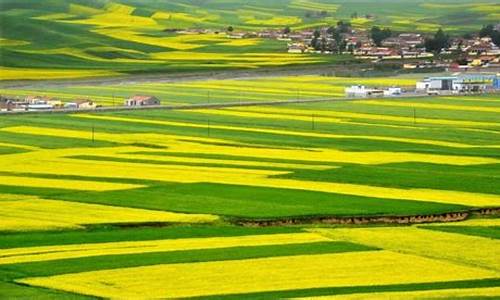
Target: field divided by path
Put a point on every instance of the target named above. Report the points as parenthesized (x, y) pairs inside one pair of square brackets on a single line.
[(109, 201)]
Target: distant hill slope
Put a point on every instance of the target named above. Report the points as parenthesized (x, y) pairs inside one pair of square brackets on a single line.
[(112, 36)]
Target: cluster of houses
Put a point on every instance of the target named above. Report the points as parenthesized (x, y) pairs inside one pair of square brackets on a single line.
[(476, 51), (464, 83), (44, 103)]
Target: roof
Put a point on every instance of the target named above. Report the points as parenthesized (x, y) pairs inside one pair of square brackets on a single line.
[(81, 101), (142, 98), (442, 78)]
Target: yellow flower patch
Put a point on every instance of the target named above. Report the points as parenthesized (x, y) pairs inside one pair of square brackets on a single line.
[(64, 184), (261, 275), (40, 214), (429, 105), (458, 248), (7, 73), (45, 253), (376, 117), (49, 160)]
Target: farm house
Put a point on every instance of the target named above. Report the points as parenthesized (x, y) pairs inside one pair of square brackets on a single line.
[(142, 101)]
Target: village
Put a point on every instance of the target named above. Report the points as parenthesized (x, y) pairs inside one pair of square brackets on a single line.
[(470, 51)]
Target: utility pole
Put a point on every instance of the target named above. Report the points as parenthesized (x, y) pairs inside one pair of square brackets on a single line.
[(208, 97), (208, 127), (414, 116), (313, 125)]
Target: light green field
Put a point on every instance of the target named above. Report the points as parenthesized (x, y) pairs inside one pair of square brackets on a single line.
[(216, 91), (74, 187)]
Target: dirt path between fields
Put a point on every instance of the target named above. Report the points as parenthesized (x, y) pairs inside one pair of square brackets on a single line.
[(367, 220)]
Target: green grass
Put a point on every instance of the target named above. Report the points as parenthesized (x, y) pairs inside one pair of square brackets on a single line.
[(255, 202), (475, 179)]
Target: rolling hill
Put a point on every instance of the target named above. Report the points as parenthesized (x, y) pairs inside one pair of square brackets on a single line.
[(79, 38)]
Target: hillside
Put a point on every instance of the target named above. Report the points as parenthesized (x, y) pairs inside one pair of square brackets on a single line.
[(79, 38)]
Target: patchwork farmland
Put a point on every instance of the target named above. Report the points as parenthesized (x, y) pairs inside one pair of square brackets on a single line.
[(285, 149), (149, 204)]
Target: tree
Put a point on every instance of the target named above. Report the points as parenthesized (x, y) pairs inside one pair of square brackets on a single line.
[(487, 31), (496, 38), (439, 42), (343, 27), (230, 29), (378, 35), (287, 30), (317, 33), (354, 15)]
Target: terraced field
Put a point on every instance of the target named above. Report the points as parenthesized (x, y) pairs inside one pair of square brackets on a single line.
[(90, 38), (144, 204)]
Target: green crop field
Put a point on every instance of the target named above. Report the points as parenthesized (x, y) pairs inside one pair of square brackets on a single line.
[(146, 204), (87, 38)]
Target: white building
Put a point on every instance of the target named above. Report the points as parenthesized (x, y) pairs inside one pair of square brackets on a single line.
[(461, 83), (436, 84), (40, 107), (363, 91), (393, 91)]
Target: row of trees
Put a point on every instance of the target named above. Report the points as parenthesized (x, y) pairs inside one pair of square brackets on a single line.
[(490, 31)]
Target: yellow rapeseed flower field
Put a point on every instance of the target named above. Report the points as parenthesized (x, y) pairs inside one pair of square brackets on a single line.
[(286, 132), (45, 253), (364, 116), (9, 42), (430, 105), (260, 275), (45, 161), (41, 214), (7, 73), (458, 248), (71, 184)]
